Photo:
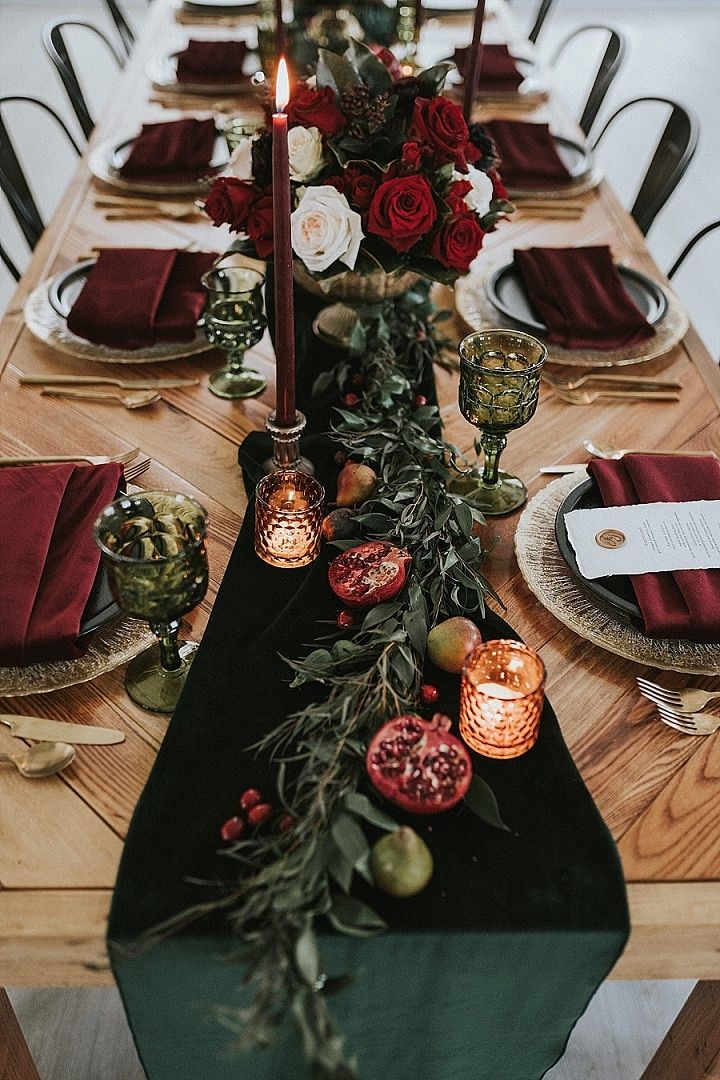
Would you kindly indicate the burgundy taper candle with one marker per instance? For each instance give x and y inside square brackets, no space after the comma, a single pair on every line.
[282,244]
[472,65]
[280,38]
[419,16]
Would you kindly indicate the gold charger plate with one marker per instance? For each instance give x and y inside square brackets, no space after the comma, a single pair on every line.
[48,326]
[550,579]
[105,160]
[112,645]
[479,313]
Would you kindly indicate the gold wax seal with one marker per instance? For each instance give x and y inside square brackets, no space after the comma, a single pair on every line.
[610,538]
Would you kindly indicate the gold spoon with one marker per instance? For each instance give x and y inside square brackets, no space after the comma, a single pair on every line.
[131,401]
[42,759]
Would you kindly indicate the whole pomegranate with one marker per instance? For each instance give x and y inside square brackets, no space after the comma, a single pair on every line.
[356,483]
[401,863]
[369,574]
[450,643]
[418,765]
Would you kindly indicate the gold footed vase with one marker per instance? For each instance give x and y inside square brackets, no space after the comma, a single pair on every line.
[350,293]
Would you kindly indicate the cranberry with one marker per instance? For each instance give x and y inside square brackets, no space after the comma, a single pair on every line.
[345,619]
[250,798]
[419,400]
[429,694]
[232,829]
[340,457]
[260,814]
[351,400]
[286,822]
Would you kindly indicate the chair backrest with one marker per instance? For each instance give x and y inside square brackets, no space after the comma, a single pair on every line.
[673,153]
[690,245]
[12,176]
[56,48]
[8,263]
[541,14]
[608,67]
[127,38]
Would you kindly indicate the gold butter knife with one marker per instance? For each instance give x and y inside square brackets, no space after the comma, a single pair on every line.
[124,384]
[37,727]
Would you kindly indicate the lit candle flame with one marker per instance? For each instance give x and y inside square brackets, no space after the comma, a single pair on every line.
[282,86]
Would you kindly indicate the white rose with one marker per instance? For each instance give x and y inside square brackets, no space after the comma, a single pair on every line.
[482,189]
[325,229]
[305,152]
[240,163]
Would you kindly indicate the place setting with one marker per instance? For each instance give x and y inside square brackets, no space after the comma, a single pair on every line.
[214,12]
[509,75]
[205,67]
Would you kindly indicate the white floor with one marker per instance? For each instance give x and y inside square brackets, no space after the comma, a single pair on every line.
[81,1034]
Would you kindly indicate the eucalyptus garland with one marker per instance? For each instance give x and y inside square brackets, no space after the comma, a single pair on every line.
[372,672]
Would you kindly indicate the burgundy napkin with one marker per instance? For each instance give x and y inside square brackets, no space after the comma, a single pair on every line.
[171,152]
[528,155]
[579,295]
[49,557]
[498,69]
[211,62]
[135,297]
[685,603]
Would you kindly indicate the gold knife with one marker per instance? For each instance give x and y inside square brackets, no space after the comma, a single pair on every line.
[125,384]
[37,727]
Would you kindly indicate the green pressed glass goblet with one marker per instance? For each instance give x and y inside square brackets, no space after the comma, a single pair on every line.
[154,548]
[499,385]
[234,322]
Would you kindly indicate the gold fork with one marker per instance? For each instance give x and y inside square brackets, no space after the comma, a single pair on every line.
[690,723]
[137,468]
[587,397]
[614,378]
[689,700]
[97,459]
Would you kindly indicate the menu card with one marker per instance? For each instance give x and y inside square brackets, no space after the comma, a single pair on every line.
[646,539]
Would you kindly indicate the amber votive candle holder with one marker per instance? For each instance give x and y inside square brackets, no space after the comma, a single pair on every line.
[288,518]
[501,698]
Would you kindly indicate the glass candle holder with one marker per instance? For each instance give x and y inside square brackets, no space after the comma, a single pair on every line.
[288,518]
[499,386]
[501,699]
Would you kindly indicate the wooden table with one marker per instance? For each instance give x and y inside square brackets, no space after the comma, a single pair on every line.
[60,839]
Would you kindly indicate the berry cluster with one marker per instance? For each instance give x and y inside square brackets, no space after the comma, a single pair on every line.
[254,813]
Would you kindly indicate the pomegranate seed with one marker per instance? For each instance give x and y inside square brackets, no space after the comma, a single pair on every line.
[232,829]
[345,619]
[250,798]
[429,694]
[351,400]
[260,814]
[286,822]
[419,400]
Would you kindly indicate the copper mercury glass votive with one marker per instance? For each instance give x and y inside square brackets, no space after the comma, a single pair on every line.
[501,698]
[288,518]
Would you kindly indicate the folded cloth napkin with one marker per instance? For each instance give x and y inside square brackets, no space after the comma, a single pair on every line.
[498,69]
[211,62]
[135,297]
[50,559]
[684,603]
[528,155]
[171,152]
[579,295]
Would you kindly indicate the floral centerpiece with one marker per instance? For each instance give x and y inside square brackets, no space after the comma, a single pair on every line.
[386,175]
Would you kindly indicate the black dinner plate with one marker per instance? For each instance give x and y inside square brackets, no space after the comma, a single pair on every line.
[614,592]
[505,291]
[120,154]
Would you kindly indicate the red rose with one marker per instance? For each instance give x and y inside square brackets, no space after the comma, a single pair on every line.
[499,189]
[259,225]
[314,108]
[457,242]
[229,201]
[360,186]
[455,197]
[402,211]
[338,182]
[439,124]
[389,59]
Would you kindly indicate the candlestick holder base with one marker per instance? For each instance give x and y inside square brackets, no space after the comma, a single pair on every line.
[286,446]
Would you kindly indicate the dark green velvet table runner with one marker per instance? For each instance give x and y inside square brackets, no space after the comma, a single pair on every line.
[480,977]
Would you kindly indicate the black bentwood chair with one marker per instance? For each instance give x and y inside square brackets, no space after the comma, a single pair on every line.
[541,15]
[608,66]
[54,40]
[13,181]
[8,263]
[127,38]
[690,245]
[673,153]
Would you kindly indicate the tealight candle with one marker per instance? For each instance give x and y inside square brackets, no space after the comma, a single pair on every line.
[501,699]
[288,518]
